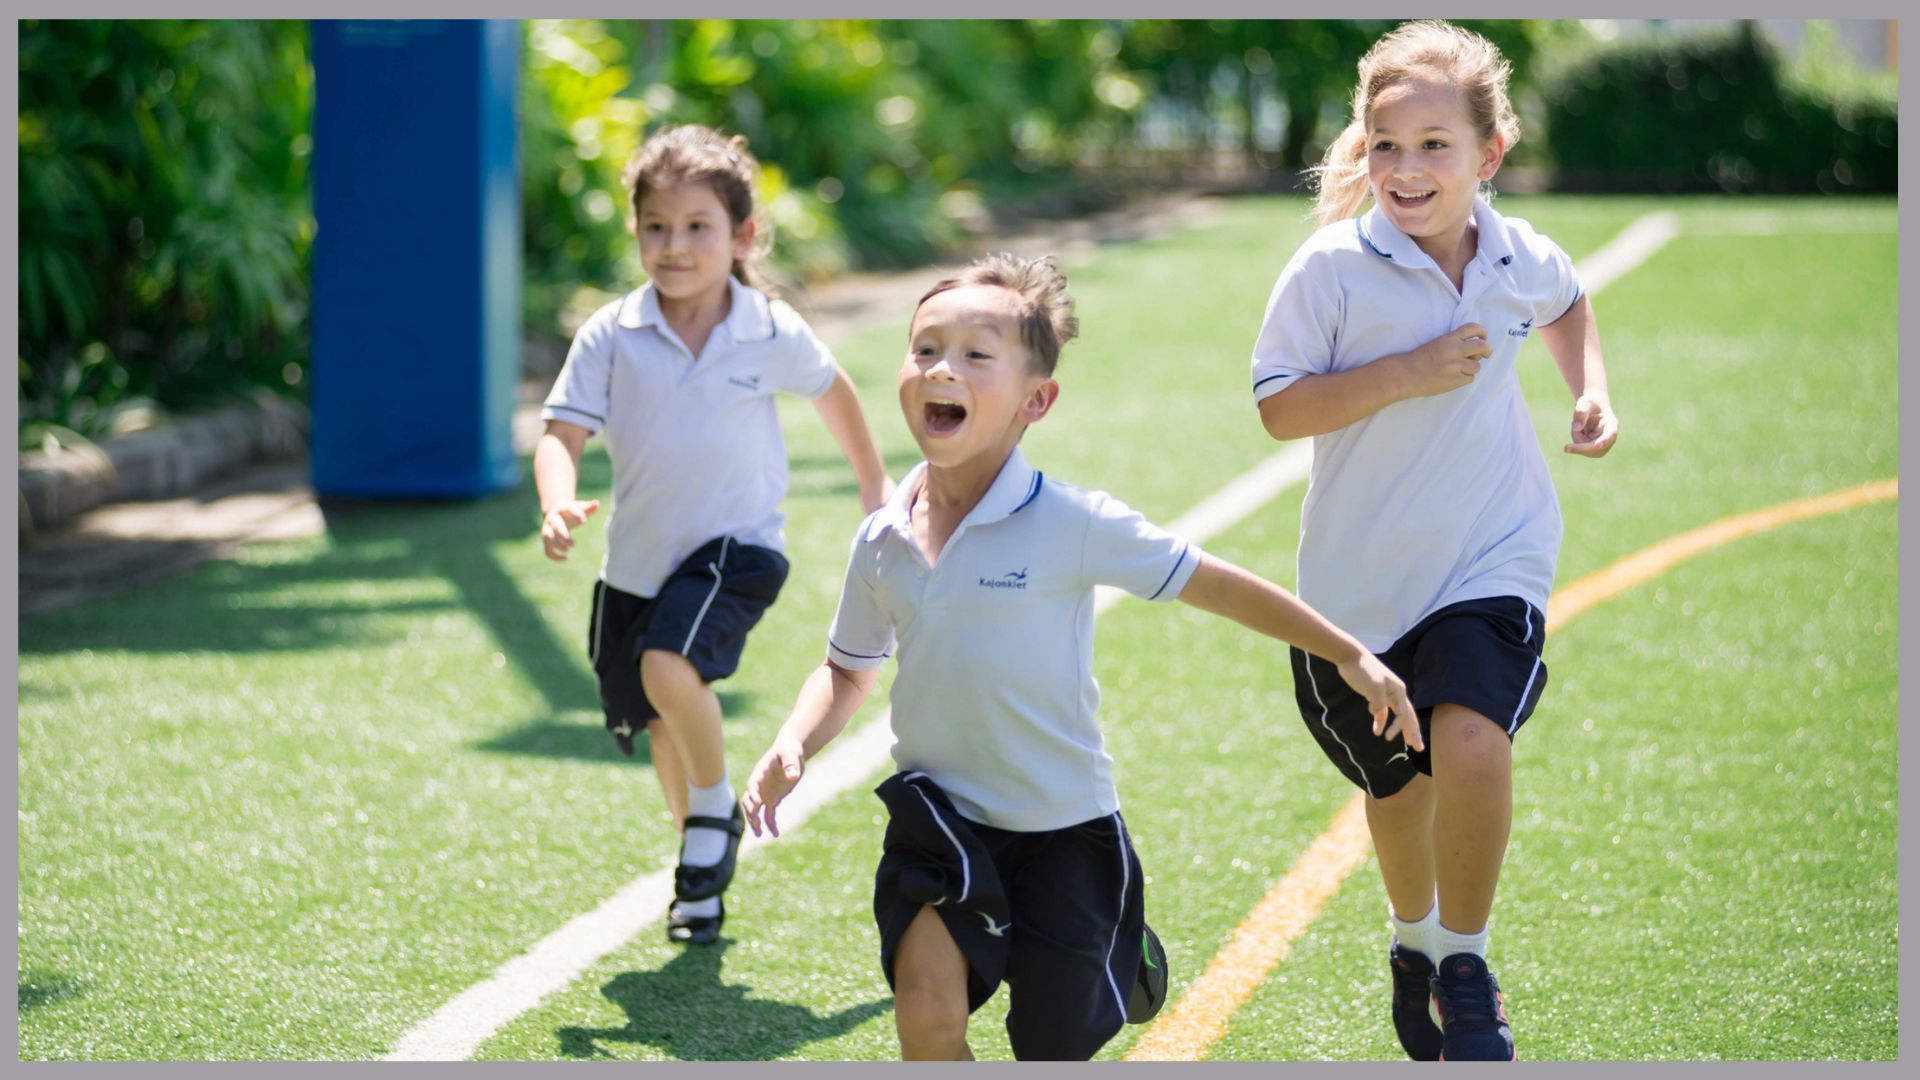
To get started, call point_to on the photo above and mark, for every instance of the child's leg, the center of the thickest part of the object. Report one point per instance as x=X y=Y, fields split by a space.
x=1472 y=813
x=689 y=711
x=1403 y=838
x=671 y=771
x=930 y=992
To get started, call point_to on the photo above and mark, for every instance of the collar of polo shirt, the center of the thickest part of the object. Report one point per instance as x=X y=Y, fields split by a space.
x=1010 y=492
x=750 y=319
x=1383 y=239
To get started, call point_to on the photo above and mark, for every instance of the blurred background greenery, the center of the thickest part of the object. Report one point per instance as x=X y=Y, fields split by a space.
x=165 y=222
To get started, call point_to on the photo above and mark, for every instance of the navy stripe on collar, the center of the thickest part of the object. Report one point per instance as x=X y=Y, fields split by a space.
x=1361 y=228
x=1032 y=493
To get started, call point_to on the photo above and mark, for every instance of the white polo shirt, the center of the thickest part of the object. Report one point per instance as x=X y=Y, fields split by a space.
x=1432 y=500
x=696 y=444
x=995 y=697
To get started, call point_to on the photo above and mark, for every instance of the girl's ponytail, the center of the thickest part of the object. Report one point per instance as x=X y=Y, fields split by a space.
x=1340 y=180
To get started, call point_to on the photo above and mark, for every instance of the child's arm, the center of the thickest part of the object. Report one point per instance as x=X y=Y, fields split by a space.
x=840 y=411
x=1574 y=342
x=1317 y=404
x=556 y=469
x=828 y=699
x=1258 y=604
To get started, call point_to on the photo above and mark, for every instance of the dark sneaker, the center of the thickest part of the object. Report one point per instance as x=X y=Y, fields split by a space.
x=1150 y=982
x=700 y=882
x=1473 y=1013
x=1412 y=997
x=684 y=929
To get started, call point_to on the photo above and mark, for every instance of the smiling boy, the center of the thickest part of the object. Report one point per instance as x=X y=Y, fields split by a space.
x=1006 y=857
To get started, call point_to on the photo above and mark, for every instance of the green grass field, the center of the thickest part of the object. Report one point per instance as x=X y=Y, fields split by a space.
x=289 y=804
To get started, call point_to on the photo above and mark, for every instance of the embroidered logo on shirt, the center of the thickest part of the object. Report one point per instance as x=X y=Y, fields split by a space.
x=1522 y=330
x=1012 y=579
x=750 y=382
x=996 y=929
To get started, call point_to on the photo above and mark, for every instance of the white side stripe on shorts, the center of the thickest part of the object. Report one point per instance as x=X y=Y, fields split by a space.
x=1514 y=721
x=966 y=867
x=1315 y=683
x=1126 y=878
x=711 y=593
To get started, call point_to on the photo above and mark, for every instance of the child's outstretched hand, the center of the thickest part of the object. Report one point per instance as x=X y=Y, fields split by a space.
x=779 y=770
x=1594 y=427
x=556 y=529
x=1385 y=693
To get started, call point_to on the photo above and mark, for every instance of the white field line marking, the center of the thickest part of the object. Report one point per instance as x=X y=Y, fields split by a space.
x=1634 y=245
x=455 y=1030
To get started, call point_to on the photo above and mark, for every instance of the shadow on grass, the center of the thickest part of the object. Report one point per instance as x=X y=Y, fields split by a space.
x=386 y=568
x=313 y=602
x=39 y=988
x=685 y=1011
x=589 y=741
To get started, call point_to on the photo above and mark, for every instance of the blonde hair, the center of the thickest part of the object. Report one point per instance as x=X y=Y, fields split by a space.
x=1045 y=311
x=1427 y=49
x=697 y=154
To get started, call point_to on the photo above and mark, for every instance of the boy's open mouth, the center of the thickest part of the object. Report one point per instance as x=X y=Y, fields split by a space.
x=943 y=417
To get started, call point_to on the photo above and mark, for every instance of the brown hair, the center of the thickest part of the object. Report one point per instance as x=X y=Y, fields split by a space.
x=1045 y=311
x=697 y=154
x=1429 y=49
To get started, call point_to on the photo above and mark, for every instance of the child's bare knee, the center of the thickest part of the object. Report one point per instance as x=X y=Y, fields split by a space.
x=929 y=1012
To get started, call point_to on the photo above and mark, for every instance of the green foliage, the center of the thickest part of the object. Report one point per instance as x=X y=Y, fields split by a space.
x=163 y=212
x=1717 y=111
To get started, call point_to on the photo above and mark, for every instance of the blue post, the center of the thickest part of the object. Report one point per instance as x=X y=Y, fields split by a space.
x=416 y=258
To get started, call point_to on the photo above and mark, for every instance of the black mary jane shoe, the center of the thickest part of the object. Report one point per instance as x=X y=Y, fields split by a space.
x=700 y=882
x=685 y=929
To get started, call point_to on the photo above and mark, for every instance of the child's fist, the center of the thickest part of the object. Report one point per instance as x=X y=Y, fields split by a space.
x=1448 y=362
x=556 y=529
x=1594 y=427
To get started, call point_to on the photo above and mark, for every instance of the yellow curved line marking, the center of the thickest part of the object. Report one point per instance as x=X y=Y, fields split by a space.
x=1199 y=1018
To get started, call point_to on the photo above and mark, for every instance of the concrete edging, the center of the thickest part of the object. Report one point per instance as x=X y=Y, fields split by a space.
x=168 y=461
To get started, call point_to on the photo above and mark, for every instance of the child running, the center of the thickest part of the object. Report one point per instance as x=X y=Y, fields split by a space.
x=1005 y=856
x=1430 y=526
x=678 y=377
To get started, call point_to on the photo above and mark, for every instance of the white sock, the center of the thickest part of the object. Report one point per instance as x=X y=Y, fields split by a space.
x=703 y=908
x=1450 y=943
x=1417 y=935
x=705 y=847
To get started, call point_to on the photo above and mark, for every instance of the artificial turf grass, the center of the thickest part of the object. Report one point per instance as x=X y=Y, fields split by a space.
x=100 y=976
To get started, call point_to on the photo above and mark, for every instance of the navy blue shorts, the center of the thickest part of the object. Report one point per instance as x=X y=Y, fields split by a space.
x=1482 y=654
x=1070 y=951
x=703 y=612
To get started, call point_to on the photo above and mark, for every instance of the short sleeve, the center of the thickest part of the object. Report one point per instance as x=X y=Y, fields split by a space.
x=1559 y=284
x=807 y=366
x=1125 y=550
x=861 y=637
x=1301 y=326
x=585 y=386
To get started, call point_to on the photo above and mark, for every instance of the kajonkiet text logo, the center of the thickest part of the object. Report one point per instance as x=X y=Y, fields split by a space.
x=1012 y=579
